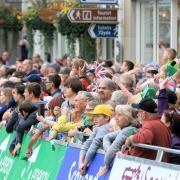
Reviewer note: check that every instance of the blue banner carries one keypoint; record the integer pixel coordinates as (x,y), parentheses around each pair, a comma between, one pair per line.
(69,167)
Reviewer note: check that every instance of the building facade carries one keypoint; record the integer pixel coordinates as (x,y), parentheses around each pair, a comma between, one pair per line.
(9,40)
(149,26)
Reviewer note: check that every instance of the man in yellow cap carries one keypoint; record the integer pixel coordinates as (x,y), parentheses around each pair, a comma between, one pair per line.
(102,114)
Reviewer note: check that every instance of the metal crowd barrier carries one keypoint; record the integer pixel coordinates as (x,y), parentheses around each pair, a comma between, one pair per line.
(160,150)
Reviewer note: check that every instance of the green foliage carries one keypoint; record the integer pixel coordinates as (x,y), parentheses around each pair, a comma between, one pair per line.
(9,19)
(32,21)
(88,47)
(66,28)
(79,31)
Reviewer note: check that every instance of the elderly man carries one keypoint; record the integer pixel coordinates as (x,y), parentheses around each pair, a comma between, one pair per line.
(81,100)
(27,67)
(153,131)
(105,89)
(63,126)
(119,97)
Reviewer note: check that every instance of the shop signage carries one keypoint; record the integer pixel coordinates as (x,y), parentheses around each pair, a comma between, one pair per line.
(98,1)
(103,30)
(81,15)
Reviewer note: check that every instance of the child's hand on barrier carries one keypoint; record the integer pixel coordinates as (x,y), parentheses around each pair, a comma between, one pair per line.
(82,169)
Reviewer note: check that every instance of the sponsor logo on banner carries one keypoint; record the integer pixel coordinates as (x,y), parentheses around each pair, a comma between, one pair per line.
(44,163)
(6,164)
(69,167)
(145,170)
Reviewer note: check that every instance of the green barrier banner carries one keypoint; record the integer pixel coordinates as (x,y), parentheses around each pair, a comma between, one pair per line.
(42,165)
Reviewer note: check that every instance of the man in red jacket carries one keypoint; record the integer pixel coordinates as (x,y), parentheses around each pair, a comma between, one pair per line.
(153,131)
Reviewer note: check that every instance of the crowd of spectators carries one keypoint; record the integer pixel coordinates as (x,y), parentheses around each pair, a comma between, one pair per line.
(96,105)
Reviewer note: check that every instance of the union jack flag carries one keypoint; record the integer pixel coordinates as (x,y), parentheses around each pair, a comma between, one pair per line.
(100,71)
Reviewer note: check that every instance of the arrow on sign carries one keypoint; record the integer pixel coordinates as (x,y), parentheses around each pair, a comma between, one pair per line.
(4,144)
(71,16)
(98,1)
(103,30)
(95,15)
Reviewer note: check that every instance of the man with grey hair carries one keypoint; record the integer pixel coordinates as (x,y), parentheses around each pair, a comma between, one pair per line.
(80,103)
(81,100)
(105,89)
(128,81)
(118,97)
(27,66)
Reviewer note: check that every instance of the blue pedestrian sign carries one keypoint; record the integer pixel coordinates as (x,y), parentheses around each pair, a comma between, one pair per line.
(98,1)
(103,30)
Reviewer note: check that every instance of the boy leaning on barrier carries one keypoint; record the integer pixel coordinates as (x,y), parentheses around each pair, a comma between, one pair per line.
(102,114)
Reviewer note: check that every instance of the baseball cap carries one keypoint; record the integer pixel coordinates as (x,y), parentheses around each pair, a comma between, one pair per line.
(32,78)
(147,104)
(172,97)
(56,66)
(152,64)
(101,109)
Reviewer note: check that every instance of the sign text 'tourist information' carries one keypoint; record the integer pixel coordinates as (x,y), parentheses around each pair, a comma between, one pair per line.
(105,16)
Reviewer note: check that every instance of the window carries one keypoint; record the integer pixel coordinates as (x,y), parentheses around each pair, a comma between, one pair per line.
(155,28)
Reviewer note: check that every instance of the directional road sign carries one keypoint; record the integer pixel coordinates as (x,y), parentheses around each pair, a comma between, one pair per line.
(98,1)
(103,30)
(90,15)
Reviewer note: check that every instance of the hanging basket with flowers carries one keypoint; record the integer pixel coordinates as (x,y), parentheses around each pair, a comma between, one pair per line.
(64,25)
(10,19)
(32,21)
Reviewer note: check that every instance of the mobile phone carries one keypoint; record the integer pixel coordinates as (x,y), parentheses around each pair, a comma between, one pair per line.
(41,109)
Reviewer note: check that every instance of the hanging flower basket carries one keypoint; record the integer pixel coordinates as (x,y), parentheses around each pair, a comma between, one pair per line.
(9,19)
(32,20)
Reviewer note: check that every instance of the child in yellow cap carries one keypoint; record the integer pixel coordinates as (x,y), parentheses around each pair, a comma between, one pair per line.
(102,114)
